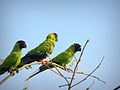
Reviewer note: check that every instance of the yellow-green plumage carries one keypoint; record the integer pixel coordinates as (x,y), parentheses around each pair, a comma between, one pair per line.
(61,59)
(65,57)
(41,52)
(13,59)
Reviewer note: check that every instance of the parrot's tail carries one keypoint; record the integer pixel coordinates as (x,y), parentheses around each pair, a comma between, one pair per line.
(41,69)
(2,71)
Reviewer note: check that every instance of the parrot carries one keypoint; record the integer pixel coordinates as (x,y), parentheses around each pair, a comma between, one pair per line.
(14,58)
(61,59)
(41,52)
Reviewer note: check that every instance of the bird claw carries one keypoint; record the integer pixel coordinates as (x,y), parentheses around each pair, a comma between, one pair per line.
(45,62)
(28,67)
(17,71)
(12,73)
(65,68)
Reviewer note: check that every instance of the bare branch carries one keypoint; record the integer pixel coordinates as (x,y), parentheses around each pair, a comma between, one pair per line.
(90,85)
(6,78)
(69,86)
(62,75)
(26,85)
(89,74)
(52,70)
(13,73)
(34,63)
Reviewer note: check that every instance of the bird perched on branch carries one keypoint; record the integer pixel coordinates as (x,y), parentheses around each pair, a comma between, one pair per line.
(41,52)
(62,59)
(13,59)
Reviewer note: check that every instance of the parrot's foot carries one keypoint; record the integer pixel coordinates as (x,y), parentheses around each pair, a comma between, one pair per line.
(45,62)
(28,67)
(65,68)
(17,71)
(12,73)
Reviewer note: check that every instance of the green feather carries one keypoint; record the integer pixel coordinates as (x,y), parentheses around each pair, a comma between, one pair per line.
(41,52)
(12,60)
(62,59)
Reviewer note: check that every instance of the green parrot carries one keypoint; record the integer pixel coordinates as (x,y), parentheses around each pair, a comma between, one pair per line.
(62,59)
(13,59)
(41,52)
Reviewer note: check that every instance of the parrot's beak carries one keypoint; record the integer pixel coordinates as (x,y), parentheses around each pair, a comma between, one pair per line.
(79,49)
(24,46)
(56,36)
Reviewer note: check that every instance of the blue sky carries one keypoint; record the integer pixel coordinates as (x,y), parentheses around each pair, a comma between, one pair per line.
(73,21)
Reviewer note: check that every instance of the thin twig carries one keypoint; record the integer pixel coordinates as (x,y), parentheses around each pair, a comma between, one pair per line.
(62,75)
(57,65)
(90,85)
(91,76)
(26,65)
(73,60)
(88,74)
(52,70)
(13,73)
(69,86)
(26,85)
(6,78)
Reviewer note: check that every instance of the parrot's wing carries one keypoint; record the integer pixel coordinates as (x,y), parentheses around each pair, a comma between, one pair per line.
(36,55)
(59,59)
(11,60)
(29,58)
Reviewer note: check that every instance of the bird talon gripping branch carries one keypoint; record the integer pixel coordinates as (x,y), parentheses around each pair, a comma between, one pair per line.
(45,62)
(12,73)
(17,71)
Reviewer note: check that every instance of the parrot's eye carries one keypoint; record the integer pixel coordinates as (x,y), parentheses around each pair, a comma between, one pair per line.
(77,47)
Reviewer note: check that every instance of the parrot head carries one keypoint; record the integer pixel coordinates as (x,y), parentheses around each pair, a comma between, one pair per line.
(21,44)
(77,47)
(53,37)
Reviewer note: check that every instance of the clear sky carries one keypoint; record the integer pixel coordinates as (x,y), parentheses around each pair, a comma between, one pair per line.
(73,21)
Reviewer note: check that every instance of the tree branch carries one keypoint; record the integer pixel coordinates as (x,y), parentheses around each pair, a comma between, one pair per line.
(69,86)
(34,63)
(90,85)
(89,74)
(62,75)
